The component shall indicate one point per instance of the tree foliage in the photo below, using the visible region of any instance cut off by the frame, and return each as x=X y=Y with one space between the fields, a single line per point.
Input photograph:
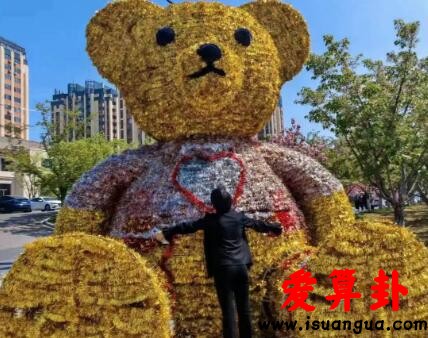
x=341 y=162
x=26 y=166
x=67 y=161
x=378 y=109
x=70 y=129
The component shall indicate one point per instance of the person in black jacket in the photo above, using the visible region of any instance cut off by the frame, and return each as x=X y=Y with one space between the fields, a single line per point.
x=227 y=256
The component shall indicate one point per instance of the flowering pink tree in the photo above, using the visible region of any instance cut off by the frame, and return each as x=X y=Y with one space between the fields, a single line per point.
x=313 y=146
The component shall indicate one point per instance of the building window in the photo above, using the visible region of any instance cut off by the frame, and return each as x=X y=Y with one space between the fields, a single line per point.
x=17 y=79
x=17 y=99
x=17 y=90
x=5 y=189
x=4 y=164
x=17 y=119
x=17 y=71
x=9 y=67
x=7 y=116
x=7 y=97
x=8 y=86
x=17 y=57
x=8 y=106
x=8 y=77
x=7 y=53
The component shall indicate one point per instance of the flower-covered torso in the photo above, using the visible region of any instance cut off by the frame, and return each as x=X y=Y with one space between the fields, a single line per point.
x=175 y=179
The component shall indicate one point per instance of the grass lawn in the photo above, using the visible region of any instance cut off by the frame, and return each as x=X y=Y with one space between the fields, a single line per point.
x=416 y=219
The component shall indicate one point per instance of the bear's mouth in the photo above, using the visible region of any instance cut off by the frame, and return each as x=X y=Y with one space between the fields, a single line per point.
x=210 y=68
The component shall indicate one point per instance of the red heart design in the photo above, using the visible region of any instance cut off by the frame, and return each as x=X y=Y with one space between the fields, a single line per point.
x=191 y=196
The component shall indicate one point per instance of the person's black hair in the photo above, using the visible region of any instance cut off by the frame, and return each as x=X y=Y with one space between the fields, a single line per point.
x=221 y=200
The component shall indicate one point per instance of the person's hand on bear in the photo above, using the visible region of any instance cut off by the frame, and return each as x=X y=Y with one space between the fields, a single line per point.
x=154 y=233
x=160 y=237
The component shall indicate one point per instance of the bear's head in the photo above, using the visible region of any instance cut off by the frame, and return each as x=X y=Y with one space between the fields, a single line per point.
x=198 y=68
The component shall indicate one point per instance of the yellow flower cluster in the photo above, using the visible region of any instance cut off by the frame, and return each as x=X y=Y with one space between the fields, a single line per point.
x=80 y=285
x=164 y=100
x=88 y=221
x=196 y=310
x=289 y=31
x=326 y=213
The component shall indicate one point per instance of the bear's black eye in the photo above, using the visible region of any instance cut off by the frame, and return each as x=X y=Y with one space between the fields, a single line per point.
x=165 y=36
x=243 y=36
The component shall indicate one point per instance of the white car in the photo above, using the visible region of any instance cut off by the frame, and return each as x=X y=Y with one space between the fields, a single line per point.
x=45 y=203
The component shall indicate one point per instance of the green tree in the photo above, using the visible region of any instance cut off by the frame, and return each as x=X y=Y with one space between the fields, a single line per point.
x=71 y=129
x=341 y=162
x=67 y=161
x=379 y=109
x=26 y=167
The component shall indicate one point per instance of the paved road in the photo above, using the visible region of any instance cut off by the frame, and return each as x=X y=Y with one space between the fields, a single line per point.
x=17 y=229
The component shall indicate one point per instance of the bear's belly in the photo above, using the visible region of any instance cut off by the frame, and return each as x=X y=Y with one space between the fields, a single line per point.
x=178 y=184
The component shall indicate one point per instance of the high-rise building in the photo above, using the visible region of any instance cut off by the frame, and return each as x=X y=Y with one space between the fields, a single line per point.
x=91 y=109
x=275 y=126
x=14 y=91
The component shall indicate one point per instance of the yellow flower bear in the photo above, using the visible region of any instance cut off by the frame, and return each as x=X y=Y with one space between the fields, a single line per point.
x=202 y=78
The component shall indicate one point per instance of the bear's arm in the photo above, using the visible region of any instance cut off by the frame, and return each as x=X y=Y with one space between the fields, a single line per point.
x=320 y=195
x=88 y=205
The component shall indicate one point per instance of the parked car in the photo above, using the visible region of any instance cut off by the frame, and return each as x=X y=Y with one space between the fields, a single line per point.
x=14 y=203
x=45 y=203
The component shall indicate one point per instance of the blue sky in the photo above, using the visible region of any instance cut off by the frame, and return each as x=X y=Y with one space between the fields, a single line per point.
x=53 y=33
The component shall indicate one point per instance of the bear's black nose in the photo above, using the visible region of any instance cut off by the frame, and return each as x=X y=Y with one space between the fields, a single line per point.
x=209 y=52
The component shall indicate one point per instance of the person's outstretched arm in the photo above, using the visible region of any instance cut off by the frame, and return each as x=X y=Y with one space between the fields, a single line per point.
x=261 y=226
x=184 y=228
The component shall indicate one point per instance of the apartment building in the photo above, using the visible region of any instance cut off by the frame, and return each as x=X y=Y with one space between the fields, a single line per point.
x=14 y=115
x=91 y=109
x=14 y=91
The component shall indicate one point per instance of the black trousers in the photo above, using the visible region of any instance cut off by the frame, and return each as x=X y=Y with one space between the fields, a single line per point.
x=232 y=287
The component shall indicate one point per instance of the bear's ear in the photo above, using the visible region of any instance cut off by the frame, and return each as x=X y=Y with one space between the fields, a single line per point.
x=288 y=30
x=109 y=34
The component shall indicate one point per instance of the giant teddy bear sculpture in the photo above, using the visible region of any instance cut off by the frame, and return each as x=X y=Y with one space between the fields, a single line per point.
x=202 y=78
